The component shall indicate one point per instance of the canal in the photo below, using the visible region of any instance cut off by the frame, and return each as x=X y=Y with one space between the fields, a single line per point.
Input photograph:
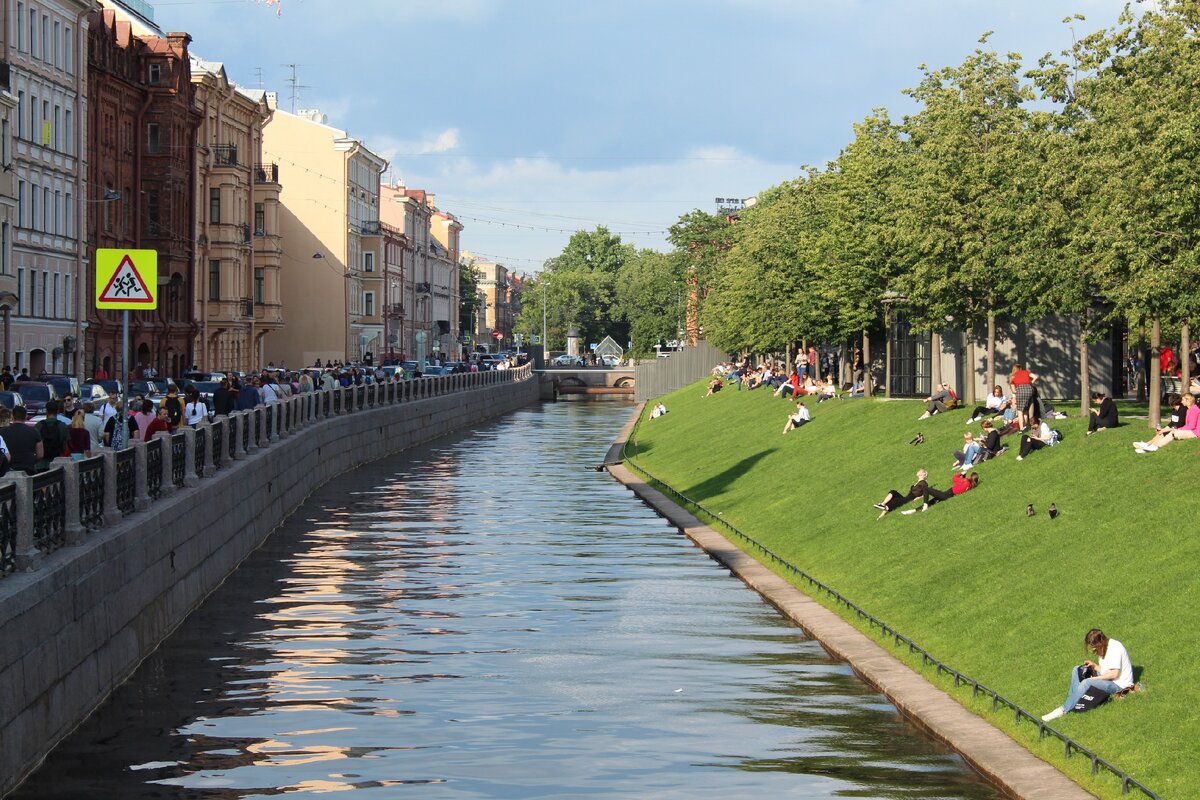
x=490 y=617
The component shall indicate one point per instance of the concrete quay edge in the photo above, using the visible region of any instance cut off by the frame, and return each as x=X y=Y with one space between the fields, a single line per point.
x=999 y=758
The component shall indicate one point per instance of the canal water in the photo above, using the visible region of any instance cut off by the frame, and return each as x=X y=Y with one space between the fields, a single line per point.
x=490 y=617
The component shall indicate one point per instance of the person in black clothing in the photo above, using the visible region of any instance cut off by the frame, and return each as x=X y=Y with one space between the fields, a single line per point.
x=895 y=499
x=1104 y=413
x=6 y=377
x=991 y=441
x=224 y=401
x=24 y=443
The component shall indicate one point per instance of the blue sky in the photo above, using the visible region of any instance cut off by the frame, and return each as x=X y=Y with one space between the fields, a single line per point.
x=565 y=114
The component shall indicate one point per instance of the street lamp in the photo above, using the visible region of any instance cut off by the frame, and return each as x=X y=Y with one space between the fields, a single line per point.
x=545 y=341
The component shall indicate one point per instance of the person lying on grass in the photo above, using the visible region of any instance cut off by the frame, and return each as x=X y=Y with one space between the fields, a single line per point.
x=958 y=485
x=993 y=405
x=941 y=400
x=1113 y=674
x=966 y=457
x=895 y=499
x=714 y=386
x=1039 y=436
x=1190 y=429
x=799 y=418
x=1104 y=413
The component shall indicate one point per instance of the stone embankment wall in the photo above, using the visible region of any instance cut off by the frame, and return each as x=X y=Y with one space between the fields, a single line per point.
x=75 y=621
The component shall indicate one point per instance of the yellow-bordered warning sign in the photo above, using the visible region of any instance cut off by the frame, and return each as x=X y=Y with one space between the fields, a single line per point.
x=126 y=278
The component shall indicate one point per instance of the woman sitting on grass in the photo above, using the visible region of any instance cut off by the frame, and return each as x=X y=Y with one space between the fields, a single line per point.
x=788 y=387
x=993 y=405
x=1039 y=436
x=1190 y=429
x=1104 y=413
x=966 y=457
x=1113 y=674
x=799 y=418
x=990 y=446
x=895 y=499
x=714 y=386
x=958 y=485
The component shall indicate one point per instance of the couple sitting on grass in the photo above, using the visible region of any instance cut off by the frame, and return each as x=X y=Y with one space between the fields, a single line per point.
x=795 y=386
x=978 y=450
x=928 y=495
x=1190 y=428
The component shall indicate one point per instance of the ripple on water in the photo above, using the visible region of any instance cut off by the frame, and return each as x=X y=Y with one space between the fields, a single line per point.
x=489 y=617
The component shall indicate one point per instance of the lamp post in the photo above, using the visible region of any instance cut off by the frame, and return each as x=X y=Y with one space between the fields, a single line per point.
x=545 y=341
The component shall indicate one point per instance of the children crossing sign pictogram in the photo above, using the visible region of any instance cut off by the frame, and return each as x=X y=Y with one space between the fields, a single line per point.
x=126 y=278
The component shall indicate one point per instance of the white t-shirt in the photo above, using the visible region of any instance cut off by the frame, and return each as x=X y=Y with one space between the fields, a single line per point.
x=1116 y=657
x=801 y=414
x=267 y=393
x=195 y=412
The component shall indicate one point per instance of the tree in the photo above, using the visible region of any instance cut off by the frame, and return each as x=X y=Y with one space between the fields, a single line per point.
x=651 y=296
x=702 y=239
x=468 y=295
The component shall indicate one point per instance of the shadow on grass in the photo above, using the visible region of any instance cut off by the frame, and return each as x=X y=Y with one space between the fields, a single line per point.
x=719 y=482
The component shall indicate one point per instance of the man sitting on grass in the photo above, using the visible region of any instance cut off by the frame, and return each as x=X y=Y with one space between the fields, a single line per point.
x=941 y=400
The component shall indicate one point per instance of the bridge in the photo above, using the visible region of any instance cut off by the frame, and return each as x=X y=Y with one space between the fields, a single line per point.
x=554 y=381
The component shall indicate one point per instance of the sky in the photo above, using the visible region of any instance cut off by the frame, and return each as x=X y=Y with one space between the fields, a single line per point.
x=531 y=119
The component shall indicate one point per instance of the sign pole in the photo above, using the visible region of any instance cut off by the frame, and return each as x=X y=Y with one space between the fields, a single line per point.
x=125 y=358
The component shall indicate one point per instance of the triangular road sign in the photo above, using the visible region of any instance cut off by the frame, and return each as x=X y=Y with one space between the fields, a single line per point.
x=126 y=285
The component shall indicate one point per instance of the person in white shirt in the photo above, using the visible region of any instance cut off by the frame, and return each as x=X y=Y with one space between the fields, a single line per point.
x=194 y=410
x=799 y=418
x=268 y=392
x=1114 y=672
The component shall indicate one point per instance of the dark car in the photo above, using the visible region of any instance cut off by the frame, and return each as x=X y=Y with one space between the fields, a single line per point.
x=63 y=384
x=11 y=399
x=36 y=394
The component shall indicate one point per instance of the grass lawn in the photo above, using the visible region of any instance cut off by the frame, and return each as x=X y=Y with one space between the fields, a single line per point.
x=1000 y=596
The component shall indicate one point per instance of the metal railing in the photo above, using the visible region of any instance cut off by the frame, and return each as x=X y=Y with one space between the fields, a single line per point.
x=217 y=434
x=126 y=480
x=200 y=451
x=154 y=464
x=8 y=528
x=1070 y=746
x=49 y=511
x=266 y=173
x=226 y=155
x=91 y=492
x=178 y=458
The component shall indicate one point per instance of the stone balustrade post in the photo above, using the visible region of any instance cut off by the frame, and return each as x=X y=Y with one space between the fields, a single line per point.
x=73 y=530
x=27 y=556
x=236 y=422
x=271 y=431
x=112 y=514
x=166 y=484
x=208 y=465
x=141 y=483
x=190 y=478
x=248 y=420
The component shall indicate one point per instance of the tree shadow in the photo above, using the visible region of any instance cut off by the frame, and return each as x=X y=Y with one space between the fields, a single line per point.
x=719 y=482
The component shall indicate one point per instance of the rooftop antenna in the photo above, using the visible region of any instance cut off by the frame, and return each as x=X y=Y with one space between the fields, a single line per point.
x=294 y=82
x=258 y=74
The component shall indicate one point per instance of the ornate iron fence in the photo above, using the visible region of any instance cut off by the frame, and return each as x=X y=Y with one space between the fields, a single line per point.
x=91 y=492
x=258 y=424
x=244 y=423
x=49 y=511
x=199 y=452
x=337 y=401
x=154 y=463
x=233 y=437
x=8 y=528
x=360 y=397
x=218 y=445
x=126 y=479
x=178 y=458
x=269 y=413
x=325 y=402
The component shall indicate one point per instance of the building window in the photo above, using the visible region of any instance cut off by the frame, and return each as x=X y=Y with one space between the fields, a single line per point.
x=20 y=28
x=152 y=138
x=33 y=33
x=54 y=300
x=45 y=293
x=214 y=279
x=69 y=214
x=45 y=37
x=57 y=58
x=6 y=251
x=154 y=74
x=214 y=206
x=258 y=285
x=152 y=213
x=21 y=203
x=20 y=283
x=369 y=304
x=368 y=262
x=260 y=219
x=69 y=51
x=47 y=134
x=33 y=205
x=20 y=114
x=57 y=210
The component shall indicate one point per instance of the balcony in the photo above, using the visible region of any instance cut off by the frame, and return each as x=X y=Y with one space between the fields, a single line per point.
x=226 y=155
x=369 y=228
x=423 y=288
x=395 y=310
x=266 y=173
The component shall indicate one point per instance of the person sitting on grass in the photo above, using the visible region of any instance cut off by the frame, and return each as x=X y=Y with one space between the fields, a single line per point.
x=826 y=390
x=966 y=457
x=799 y=418
x=1113 y=674
x=958 y=485
x=1104 y=413
x=714 y=386
x=788 y=388
x=895 y=499
x=1189 y=430
x=941 y=400
x=658 y=410
x=993 y=405
x=990 y=447
x=1039 y=436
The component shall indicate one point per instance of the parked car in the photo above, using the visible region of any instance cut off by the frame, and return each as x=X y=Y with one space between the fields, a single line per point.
x=609 y=360
x=430 y=371
x=11 y=400
x=63 y=384
x=92 y=393
x=111 y=387
x=567 y=361
x=36 y=394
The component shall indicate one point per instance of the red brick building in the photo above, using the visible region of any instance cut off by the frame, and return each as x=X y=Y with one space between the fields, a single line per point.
x=141 y=149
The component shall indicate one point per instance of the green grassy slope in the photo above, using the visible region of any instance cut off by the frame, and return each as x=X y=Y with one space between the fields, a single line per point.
x=999 y=596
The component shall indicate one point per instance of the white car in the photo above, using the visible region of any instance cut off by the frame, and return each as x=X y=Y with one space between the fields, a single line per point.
x=566 y=361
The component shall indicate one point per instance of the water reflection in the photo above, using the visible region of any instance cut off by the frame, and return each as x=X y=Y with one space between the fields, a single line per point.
x=493 y=619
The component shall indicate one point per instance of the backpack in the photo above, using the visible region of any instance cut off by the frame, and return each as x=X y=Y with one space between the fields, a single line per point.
x=174 y=410
x=54 y=439
x=1093 y=697
x=1055 y=436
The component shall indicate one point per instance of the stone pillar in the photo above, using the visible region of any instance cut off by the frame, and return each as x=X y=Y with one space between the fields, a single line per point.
x=272 y=430
x=208 y=467
x=167 y=485
x=141 y=487
x=112 y=514
x=72 y=528
x=190 y=478
x=28 y=557
x=236 y=422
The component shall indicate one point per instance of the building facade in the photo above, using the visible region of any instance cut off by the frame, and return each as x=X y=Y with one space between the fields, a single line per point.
x=333 y=254
x=143 y=125
x=237 y=282
x=48 y=72
x=9 y=288
x=496 y=313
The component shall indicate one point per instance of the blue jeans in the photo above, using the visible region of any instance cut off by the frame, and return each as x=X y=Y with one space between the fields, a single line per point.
x=1078 y=688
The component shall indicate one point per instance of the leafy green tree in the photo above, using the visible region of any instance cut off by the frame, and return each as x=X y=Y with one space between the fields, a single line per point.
x=468 y=294
x=651 y=293
x=702 y=239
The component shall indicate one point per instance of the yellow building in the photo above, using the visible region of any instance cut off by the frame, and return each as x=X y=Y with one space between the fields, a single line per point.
x=332 y=253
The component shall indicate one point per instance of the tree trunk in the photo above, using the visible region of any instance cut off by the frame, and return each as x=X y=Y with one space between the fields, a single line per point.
x=969 y=371
x=991 y=351
x=887 y=361
x=787 y=357
x=1185 y=358
x=1142 y=365
x=1155 y=373
x=935 y=360
x=868 y=381
x=1085 y=388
